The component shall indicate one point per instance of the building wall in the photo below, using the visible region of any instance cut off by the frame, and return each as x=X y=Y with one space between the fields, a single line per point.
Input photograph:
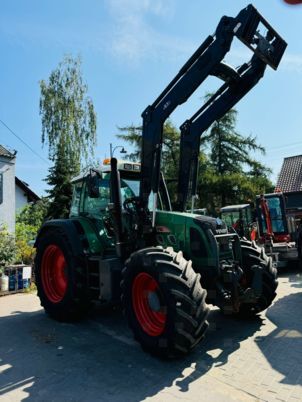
x=21 y=199
x=8 y=205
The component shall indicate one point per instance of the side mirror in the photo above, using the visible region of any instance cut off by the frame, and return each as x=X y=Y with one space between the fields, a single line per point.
x=93 y=184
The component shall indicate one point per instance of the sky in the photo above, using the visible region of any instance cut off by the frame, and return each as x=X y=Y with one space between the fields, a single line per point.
x=131 y=49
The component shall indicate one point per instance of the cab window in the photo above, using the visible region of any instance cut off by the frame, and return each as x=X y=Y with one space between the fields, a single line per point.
x=276 y=214
x=93 y=206
x=76 y=199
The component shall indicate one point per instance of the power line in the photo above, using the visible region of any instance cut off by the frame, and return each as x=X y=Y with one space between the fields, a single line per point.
x=284 y=146
x=23 y=142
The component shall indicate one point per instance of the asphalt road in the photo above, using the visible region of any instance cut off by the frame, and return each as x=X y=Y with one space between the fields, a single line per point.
x=97 y=359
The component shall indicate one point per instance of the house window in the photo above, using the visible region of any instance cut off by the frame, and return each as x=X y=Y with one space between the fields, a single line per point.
x=1 y=188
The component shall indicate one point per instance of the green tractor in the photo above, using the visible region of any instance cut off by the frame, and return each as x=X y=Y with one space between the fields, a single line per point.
x=238 y=217
x=124 y=243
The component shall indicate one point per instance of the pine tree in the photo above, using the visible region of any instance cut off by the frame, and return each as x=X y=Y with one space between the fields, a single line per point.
x=170 y=151
x=228 y=174
x=233 y=167
x=59 y=180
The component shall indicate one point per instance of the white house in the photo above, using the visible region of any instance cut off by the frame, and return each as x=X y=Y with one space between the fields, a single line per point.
x=14 y=193
x=24 y=194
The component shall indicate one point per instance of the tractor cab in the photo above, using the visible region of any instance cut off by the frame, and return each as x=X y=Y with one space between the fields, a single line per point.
x=92 y=196
x=238 y=217
x=274 y=222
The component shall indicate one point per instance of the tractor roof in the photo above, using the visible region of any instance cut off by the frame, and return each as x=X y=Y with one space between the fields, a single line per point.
x=233 y=208
x=126 y=166
x=121 y=165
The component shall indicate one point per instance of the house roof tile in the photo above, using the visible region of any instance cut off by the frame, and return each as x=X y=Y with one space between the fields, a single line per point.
x=290 y=177
x=6 y=153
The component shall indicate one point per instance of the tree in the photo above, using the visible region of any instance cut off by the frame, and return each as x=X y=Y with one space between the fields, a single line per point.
x=24 y=238
x=59 y=178
x=34 y=214
x=170 y=152
x=68 y=128
x=228 y=174
x=28 y=223
x=230 y=159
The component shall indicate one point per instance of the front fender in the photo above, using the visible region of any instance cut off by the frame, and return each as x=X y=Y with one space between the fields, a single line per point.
x=70 y=230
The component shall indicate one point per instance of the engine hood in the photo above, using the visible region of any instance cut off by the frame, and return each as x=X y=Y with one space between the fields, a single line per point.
x=217 y=226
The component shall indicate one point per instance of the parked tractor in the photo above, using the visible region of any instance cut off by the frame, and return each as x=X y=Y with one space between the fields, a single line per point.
x=124 y=242
x=238 y=217
x=272 y=225
x=277 y=229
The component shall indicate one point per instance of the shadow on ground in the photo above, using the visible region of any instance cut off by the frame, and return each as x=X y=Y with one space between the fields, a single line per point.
x=97 y=359
x=294 y=273
x=283 y=347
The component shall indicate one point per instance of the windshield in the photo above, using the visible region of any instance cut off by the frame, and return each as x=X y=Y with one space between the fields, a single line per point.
x=230 y=218
x=274 y=205
x=83 y=203
x=276 y=215
x=129 y=188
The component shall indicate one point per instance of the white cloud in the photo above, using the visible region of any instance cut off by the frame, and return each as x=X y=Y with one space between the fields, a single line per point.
x=132 y=37
x=126 y=8
x=292 y=62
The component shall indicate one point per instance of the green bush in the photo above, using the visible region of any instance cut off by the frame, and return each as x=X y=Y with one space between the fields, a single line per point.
x=28 y=222
x=7 y=248
x=24 y=251
x=18 y=248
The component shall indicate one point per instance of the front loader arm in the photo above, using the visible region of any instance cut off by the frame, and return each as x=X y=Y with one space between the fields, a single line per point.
x=215 y=108
x=204 y=62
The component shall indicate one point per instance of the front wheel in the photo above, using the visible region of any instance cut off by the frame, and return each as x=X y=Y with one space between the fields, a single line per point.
x=255 y=257
x=164 y=302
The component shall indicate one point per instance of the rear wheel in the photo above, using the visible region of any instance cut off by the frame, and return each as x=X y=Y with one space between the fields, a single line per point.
x=255 y=257
x=60 y=277
x=164 y=302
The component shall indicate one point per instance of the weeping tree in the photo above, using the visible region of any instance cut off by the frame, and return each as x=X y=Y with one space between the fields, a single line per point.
x=68 y=129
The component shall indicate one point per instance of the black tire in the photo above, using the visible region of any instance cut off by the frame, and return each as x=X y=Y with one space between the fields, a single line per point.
x=254 y=255
x=182 y=299
x=299 y=247
x=71 y=303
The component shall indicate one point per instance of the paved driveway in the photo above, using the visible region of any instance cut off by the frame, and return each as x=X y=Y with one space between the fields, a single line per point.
x=97 y=359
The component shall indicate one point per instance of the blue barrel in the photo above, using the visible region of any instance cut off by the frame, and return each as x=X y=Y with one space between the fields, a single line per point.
x=12 y=280
x=20 y=278
x=26 y=283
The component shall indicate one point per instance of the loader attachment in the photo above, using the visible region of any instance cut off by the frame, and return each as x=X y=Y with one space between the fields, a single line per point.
x=268 y=50
x=257 y=34
x=251 y=29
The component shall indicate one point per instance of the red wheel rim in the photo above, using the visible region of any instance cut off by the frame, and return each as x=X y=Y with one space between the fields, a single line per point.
x=53 y=267
x=148 y=304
